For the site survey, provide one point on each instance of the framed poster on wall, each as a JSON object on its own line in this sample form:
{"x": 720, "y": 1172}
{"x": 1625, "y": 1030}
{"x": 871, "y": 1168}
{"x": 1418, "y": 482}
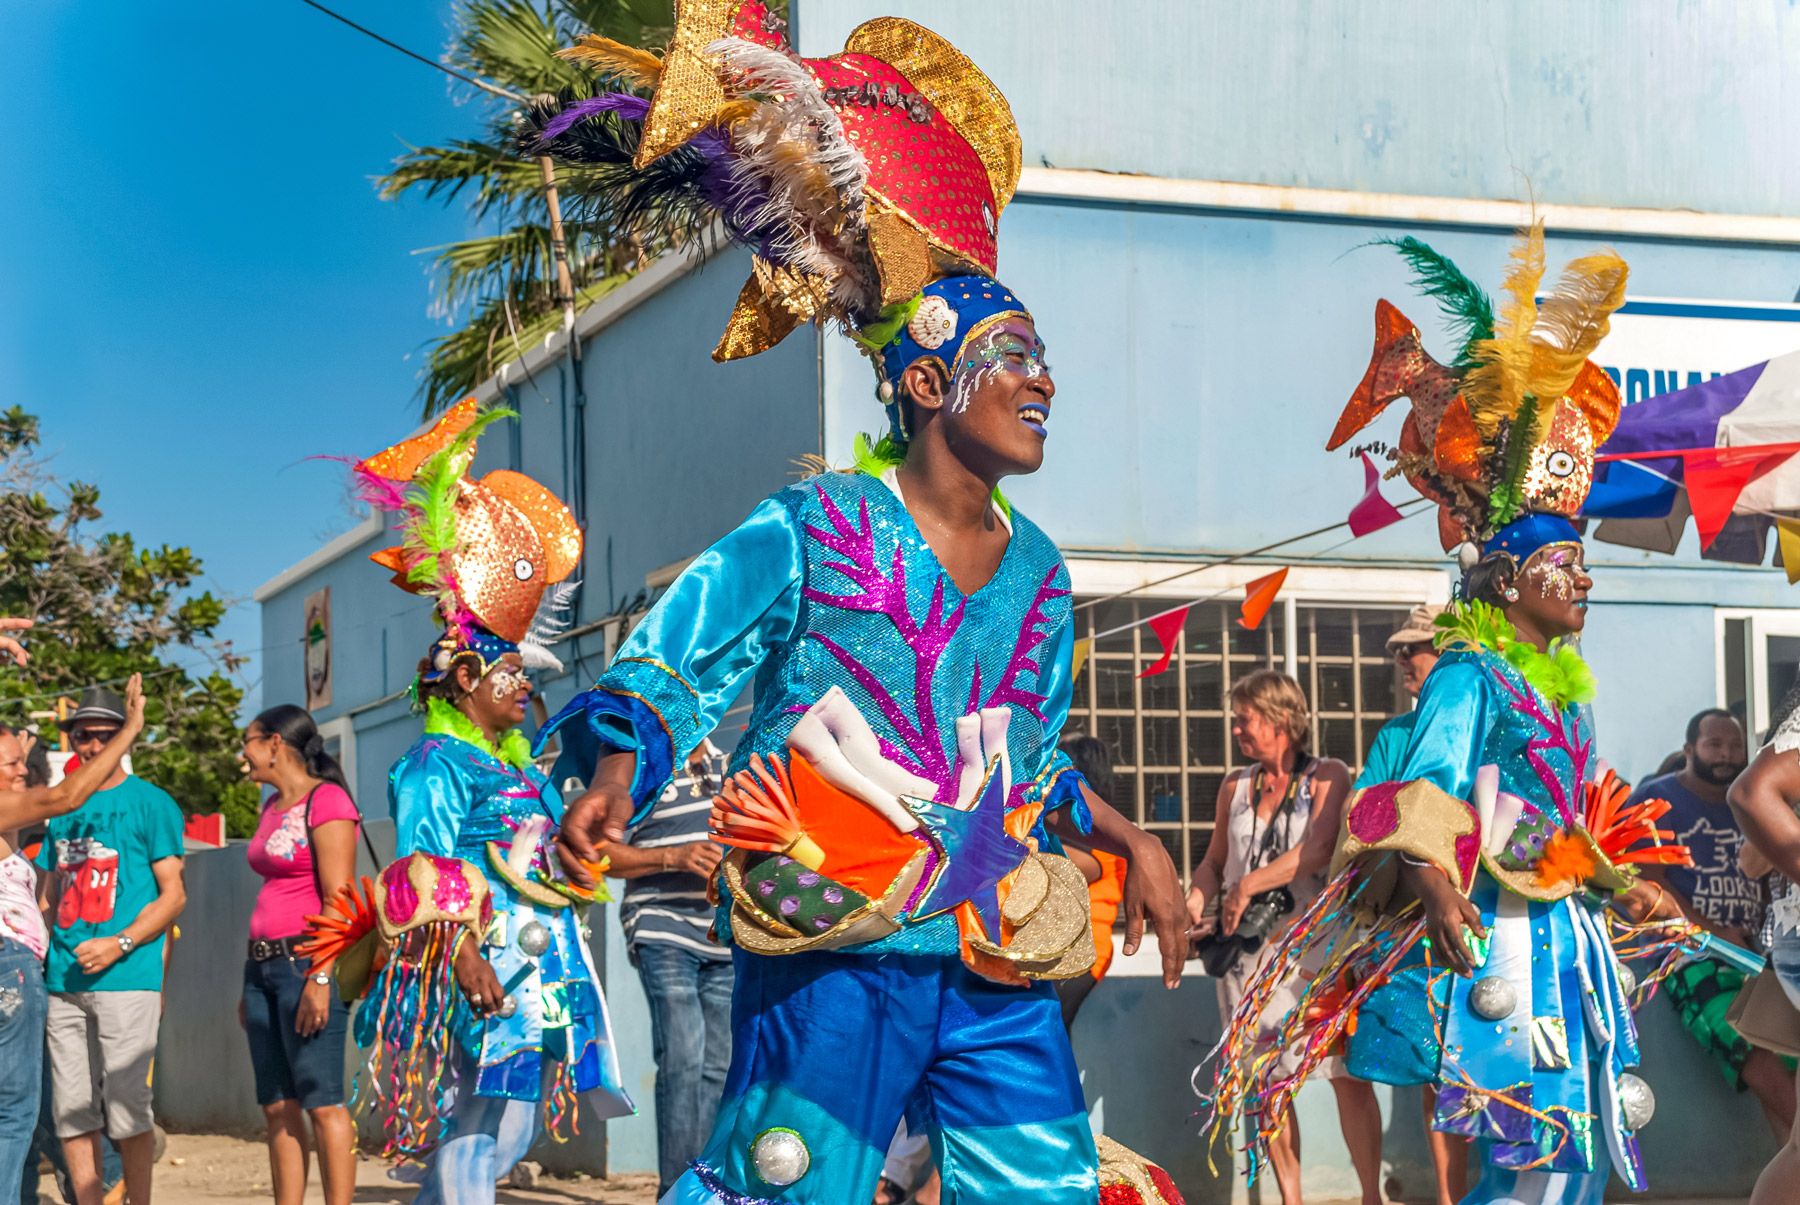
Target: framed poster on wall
{"x": 318, "y": 649}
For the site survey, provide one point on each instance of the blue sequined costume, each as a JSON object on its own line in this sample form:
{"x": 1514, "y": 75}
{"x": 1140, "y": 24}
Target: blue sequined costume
{"x": 455, "y": 799}
{"x": 828, "y": 591}
{"x": 1539, "y": 1086}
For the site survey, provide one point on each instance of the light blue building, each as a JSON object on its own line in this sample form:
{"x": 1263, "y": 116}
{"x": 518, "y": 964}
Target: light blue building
{"x": 1202, "y": 179}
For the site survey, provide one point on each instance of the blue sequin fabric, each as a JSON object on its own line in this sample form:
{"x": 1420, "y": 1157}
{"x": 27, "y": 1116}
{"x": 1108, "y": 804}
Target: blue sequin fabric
{"x": 829, "y": 583}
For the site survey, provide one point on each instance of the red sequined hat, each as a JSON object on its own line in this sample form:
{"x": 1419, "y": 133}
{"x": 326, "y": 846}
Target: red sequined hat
{"x": 857, "y": 179}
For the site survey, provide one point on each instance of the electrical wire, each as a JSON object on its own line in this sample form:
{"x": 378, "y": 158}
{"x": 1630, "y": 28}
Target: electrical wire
{"x": 474, "y": 81}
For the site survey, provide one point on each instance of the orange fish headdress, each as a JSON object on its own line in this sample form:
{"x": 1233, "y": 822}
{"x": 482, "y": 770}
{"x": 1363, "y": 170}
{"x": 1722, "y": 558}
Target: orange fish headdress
{"x": 487, "y": 550}
{"x": 1507, "y": 429}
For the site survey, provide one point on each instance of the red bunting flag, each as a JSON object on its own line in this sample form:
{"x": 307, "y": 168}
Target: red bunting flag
{"x": 1374, "y": 512}
{"x": 1259, "y": 596}
{"x": 1168, "y": 629}
{"x": 1716, "y": 476}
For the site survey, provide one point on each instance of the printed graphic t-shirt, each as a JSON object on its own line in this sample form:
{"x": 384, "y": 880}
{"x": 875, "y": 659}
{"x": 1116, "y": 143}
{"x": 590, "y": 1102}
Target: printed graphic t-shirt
{"x": 281, "y": 853}
{"x": 101, "y": 856}
{"x": 1719, "y": 890}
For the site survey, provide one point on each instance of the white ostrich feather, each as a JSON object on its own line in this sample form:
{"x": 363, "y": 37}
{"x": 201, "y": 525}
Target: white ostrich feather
{"x": 555, "y": 615}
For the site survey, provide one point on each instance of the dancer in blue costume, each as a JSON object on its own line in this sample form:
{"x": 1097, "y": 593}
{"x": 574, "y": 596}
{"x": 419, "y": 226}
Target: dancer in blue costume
{"x": 895, "y": 897}
{"x": 1465, "y": 940}
{"x": 488, "y": 1009}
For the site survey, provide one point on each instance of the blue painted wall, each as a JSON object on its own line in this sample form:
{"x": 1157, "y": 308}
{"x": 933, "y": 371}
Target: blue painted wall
{"x": 1669, "y": 106}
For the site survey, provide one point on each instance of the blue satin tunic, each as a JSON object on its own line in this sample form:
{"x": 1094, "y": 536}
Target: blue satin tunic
{"x": 829, "y": 583}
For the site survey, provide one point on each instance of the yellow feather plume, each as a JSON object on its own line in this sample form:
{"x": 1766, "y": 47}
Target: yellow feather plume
{"x": 734, "y": 111}
{"x": 640, "y": 68}
{"x": 1496, "y": 386}
{"x": 1573, "y": 320}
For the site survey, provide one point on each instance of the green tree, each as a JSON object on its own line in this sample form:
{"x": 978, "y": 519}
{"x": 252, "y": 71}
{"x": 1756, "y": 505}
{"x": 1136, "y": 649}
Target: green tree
{"x": 106, "y": 609}
{"x": 499, "y": 289}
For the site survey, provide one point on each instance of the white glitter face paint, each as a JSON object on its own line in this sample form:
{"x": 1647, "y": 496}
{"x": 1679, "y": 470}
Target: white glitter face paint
{"x": 1555, "y": 569}
{"x": 996, "y": 351}
{"x": 505, "y": 682}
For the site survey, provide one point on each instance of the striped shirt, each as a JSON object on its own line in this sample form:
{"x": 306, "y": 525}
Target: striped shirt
{"x": 672, "y": 907}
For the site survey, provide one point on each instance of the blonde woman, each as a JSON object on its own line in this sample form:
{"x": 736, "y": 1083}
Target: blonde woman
{"x": 1248, "y": 887}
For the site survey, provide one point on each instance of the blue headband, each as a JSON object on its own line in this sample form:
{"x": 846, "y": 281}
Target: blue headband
{"x": 946, "y": 313}
{"x": 452, "y": 644}
{"x": 1524, "y": 536}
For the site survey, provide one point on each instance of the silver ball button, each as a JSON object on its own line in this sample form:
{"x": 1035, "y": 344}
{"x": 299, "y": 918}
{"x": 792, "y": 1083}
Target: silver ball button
{"x": 1493, "y": 998}
{"x": 780, "y": 1157}
{"x": 534, "y": 939}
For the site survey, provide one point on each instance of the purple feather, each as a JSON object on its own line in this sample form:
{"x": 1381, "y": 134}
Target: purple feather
{"x": 631, "y": 108}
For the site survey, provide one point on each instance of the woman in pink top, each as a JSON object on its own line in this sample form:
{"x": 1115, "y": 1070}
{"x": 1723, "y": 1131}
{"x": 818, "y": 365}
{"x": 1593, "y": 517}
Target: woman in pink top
{"x": 305, "y": 850}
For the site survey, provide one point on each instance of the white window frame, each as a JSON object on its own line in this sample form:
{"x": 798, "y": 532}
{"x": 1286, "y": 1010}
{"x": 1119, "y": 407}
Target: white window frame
{"x": 1762, "y": 621}
{"x": 344, "y": 729}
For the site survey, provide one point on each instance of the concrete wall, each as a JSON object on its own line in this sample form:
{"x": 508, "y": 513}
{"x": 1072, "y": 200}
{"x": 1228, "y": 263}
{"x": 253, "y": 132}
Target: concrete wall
{"x": 1644, "y": 105}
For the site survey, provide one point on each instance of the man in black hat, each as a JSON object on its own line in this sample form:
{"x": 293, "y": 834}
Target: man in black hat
{"x": 114, "y": 888}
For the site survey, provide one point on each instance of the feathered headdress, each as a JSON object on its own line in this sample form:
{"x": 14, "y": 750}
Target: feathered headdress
{"x": 856, "y": 180}
{"x": 486, "y": 551}
{"x": 1505, "y": 433}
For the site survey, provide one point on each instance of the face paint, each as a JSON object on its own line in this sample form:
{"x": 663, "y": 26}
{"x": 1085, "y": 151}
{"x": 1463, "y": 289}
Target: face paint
{"x": 995, "y": 352}
{"x": 1555, "y": 569}
{"x": 505, "y": 682}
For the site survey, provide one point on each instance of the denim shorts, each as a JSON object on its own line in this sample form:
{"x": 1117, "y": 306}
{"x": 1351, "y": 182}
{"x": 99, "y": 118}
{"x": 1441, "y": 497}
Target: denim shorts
{"x": 1784, "y": 948}
{"x": 288, "y": 1066}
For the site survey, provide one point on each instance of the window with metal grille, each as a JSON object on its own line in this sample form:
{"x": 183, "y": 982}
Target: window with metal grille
{"x": 1170, "y": 734}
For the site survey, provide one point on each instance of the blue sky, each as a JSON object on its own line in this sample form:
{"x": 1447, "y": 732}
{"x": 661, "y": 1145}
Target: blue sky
{"x": 200, "y": 287}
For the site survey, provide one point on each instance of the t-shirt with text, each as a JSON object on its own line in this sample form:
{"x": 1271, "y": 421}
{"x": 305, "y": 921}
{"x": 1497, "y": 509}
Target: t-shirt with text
{"x": 281, "y": 852}
{"x": 101, "y": 856}
{"x": 1718, "y": 889}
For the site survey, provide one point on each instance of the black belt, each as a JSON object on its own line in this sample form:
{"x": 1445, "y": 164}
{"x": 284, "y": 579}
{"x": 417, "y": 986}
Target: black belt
{"x": 262, "y": 951}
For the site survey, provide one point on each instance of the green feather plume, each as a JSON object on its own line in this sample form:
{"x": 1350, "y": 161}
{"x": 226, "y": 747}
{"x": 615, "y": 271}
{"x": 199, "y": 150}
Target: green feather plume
{"x": 876, "y": 457}
{"x": 431, "y": 535}
{"x": 1464, "y": 303}
{"x": 1560, "y": 675}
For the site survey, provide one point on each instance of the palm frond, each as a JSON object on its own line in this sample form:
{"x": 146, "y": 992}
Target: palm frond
{"x": 1464, "y": 304}
{"x": 512, "y": 42}
{"x": 501, "y": 181}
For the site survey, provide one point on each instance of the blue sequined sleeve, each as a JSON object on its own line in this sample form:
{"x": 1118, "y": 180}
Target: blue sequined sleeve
{"x": 1450, "y": 733}
{"x": 683, "y": 666}
{"x": 429, "y": 802}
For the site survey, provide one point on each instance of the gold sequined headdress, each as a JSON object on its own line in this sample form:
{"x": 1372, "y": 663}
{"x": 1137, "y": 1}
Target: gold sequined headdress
{"x": 1509, "y": 428}
{"x": 856, "y": 179}
{"x": 486, "y": 550}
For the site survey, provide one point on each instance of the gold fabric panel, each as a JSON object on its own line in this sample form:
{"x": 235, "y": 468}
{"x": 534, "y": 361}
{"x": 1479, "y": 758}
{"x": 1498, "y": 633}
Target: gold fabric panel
{"x": 689, "y": 95}
{"x": 1430, "y": 821}
{"x": 957, "y": 87}
{"x": 772, "y": 303}
{"x": 902, "y": 255}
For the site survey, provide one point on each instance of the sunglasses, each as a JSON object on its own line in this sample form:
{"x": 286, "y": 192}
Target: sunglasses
{"x": 92, "y": 736}
{"x": 1406, "y": 652}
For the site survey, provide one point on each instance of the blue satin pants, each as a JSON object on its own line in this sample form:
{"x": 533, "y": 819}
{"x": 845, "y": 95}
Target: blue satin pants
{"x": 838, "y": 1047}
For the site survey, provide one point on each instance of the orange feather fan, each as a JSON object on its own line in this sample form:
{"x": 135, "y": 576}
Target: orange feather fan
{"x": 1627, "y": 832}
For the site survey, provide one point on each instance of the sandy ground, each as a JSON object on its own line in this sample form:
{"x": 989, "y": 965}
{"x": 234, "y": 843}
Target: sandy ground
{"x": 216, "y": 1169}
{"x": 220, "y": 1170}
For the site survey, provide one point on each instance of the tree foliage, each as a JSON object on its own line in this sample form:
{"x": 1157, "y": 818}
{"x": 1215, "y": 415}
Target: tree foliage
{"x": 105, "y": 609}
{"x": 498, "y": 289}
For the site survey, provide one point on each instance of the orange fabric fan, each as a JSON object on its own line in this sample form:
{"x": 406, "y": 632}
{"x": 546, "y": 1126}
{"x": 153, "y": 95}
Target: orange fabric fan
{"x": 794, "y": 811}
{"x": 1627, "y": 832}
{"x": 344, "y": 938}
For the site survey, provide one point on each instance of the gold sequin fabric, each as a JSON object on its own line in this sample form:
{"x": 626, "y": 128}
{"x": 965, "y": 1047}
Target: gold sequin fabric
{"x": 689, "y": 93}
{"x": 1560, "y": 470}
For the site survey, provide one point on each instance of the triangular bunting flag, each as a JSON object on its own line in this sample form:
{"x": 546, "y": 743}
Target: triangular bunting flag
{"x": 1168, "y": 630}
{"x": 1374, "y": 512}
{"x": 1259, "y": 596}
{"x": 1078, "y": 661}
{"x": 1716, "y": 476}
{"x": 1787, "y": 532}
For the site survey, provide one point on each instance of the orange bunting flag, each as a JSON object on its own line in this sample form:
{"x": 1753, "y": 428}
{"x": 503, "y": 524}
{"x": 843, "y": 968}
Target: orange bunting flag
{"x": 1259, "y": 596}
{"x": 1168, "y": 630}
{"x": 1373, "y": 512}
{"x": 1787, "y": 531}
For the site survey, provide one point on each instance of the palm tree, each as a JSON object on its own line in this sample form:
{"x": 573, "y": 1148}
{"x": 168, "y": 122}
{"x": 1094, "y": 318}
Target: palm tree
{"x": 500, "y": 288}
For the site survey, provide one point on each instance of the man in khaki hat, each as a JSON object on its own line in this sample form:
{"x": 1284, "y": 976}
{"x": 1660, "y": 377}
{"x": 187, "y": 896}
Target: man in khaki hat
{"x": 1412, "y": 647}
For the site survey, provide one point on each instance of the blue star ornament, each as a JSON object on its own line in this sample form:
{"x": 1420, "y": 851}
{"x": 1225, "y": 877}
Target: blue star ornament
{"x": 976, "y": 850}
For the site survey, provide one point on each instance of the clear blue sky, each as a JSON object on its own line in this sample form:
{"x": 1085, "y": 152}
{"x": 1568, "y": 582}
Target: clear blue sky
{"x": 198, "y": 284}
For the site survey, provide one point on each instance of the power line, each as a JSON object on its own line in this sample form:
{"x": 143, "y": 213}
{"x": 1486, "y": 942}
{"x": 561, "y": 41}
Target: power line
{"x": 473, "y": 81}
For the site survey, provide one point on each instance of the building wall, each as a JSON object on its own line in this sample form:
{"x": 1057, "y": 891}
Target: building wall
{"x": 1641, "y": 105}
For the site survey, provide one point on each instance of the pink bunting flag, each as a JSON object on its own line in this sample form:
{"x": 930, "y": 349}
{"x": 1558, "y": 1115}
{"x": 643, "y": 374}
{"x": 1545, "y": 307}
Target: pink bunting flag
{"x": 1168, "y": 631}
{"x": 1374, "y": 512}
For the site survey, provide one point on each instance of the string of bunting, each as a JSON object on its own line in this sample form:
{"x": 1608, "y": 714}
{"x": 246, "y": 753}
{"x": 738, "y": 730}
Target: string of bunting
{"x": 1371, "y": 513}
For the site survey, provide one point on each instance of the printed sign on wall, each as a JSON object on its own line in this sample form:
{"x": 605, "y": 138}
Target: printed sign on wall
{"x": 318, "y": 649}
{"x": 1658, "y": 345}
